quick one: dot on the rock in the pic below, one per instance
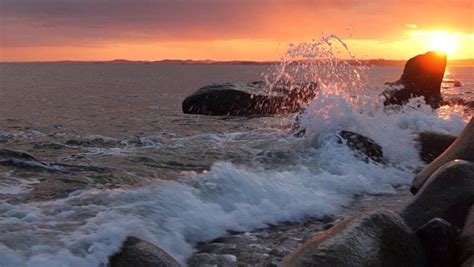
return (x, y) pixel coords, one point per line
(439, 240)
(379, 238)
(362, 144)
(466, 239)
(137, 252)
(422, 76)
(448, 194)
(7, 153)
(247, 100)
(469, 262)
(433, 144)
(461, 148)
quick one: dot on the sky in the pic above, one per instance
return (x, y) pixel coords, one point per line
(48, 30)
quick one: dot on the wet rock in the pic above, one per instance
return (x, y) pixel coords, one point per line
(439, 240)
(9, 154)
(448, 194)
(362, 144)
(137, 252)
(433, 144)
(246, 100)
(461, 148)
(378, 238)
(466, 239)
(422, 76)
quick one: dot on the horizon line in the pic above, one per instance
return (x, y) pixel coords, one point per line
(381, 61)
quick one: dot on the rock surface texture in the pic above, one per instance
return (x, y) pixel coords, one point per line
(447, 194)
(379, 238)
(439, 240)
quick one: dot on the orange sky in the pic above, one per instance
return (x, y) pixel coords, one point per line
(32, 30)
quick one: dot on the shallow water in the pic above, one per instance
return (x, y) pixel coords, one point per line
(177, 180)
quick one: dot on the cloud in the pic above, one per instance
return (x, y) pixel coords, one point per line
(94, 22)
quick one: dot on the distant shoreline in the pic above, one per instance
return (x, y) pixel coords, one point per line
(373, 62)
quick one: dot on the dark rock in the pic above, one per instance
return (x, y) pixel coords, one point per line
(433, 144)
(136, 252)
(44, 145)
(466, 240)
(7, 153)
(229, 99)
(461, 148)
(378, 238)
(362, 144)
(448, 194)
(439, 239)
(422, 76)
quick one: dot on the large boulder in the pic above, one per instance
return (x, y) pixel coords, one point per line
(422, 76)
(137, 252)
(461, 148)
(439, 239)
(466, 248)
(448, 194)
(247, 100)
(433, 144)
(378, 238)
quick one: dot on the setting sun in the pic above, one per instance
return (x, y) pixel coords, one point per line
(441, 41)
(444, 42)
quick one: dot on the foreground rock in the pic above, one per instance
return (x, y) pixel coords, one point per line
(466, 248)
(439, 240)
(246, 100)
(136, 252)
(365, 145)
(375, 239)
(422, 76)
(448, 194)
(433, 144)
(461, 148)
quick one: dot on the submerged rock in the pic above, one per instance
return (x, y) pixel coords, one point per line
(137, 252)
(246, 100)
(379, 238)
(448, 194)
(439, 239)
(461, 148)
(433, 144)
(363, 144)
(422, 76)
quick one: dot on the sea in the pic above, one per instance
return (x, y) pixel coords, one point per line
(123, 160)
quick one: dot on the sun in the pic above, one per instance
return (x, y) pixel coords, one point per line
(443, 42)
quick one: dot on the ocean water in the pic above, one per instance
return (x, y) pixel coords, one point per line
(175, 179)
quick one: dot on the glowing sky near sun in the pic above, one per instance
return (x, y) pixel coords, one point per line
(32, 30)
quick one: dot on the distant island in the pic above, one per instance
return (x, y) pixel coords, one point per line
(370, 62)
